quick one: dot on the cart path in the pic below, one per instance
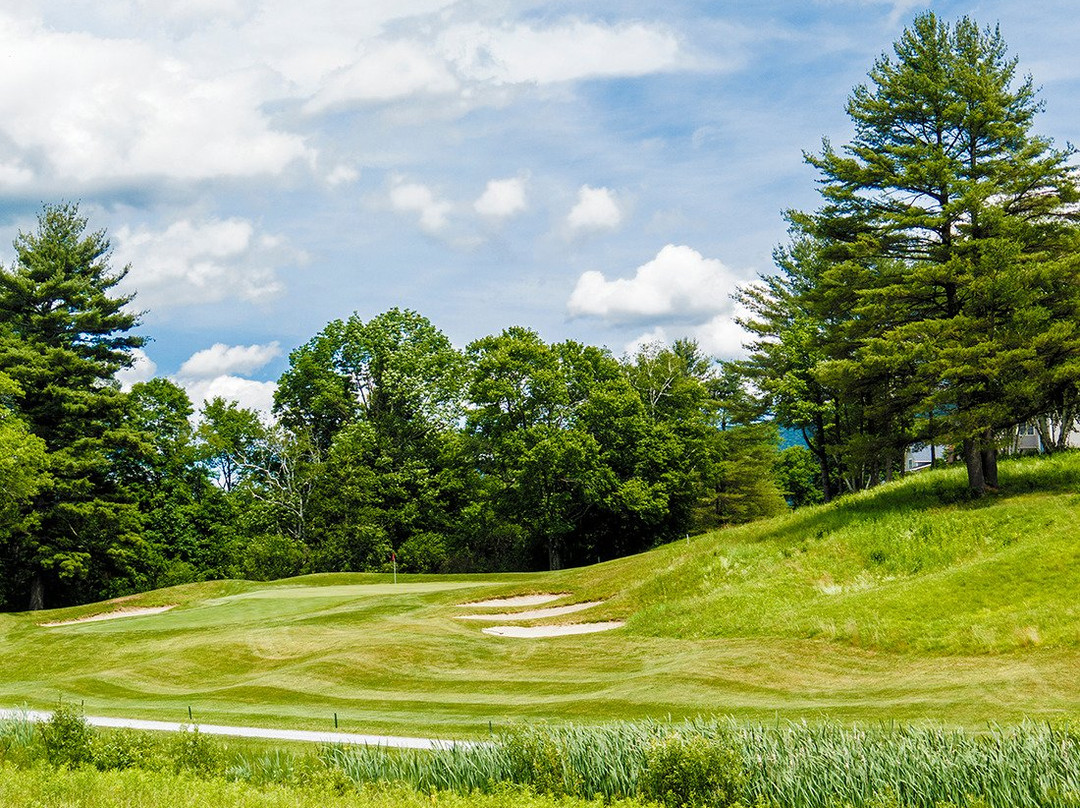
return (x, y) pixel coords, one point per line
(390, 741)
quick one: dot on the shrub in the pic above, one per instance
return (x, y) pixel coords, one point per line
(67, 737)
(536, 760)
(125, 749)
(193, 751)
(687, 772)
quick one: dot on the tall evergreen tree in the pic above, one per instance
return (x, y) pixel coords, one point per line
(66, 335)
(953, 228)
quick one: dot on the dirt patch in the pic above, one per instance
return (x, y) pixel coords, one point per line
(515, 600)
(526, 632)
(533, 614)
(114, 615)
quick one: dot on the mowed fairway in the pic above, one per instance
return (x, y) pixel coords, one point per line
(906, 603)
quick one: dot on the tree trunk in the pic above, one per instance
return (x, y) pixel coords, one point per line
(554, 562)
(822, 455)
(989, 467)
(37, 593)
(973, 461)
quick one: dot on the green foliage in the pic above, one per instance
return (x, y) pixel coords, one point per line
(227, 438)
(193, 751)
(534, 758)
(798, 476)
(67, 737)
(63, 335)
(18, 741)
(931, 298)
(134, 788)
(422, 552)
(692, 771)
(272, 556)
(397, 372)
(127, 749)
(740, 480)
(727, 763)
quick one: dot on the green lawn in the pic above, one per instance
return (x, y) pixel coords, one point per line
(906, 603)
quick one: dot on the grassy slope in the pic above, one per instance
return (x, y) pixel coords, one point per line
(902, 603)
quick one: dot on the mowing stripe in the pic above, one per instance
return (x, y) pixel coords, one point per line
(389, 741)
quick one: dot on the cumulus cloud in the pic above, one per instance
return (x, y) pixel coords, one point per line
(248, 393)
(202, 262)
(502, 198)
(143, 370)
(685, 294)
(677, 282)
(414, 197)
(129, 111)
(720, 337)
(220, 370)
(221, 359)
(596, 209)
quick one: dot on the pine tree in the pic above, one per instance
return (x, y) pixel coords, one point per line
(959, 225)
(65, 336)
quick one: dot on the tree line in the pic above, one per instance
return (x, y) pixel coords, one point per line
(387, 446)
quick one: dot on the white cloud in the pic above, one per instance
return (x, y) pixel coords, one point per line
(143, 370)
(221, 359)
(413, 197)
(94, 109)
(342, 175)
(678, 282)
(568, 51)
(502, 198)
(720, 337)
(385, 71)
(202, 262)
(251, 394)
(595, 209)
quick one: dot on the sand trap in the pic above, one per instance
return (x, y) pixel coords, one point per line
(551, 631)
(516, 600)
(115, 615)
(533, 614)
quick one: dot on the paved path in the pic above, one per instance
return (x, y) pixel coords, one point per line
(394, 741)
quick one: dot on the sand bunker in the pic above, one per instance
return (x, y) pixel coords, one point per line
(533, 614)
(115, 615)
(552, 631)
(516, 600)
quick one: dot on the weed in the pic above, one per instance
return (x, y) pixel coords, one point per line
(67, 737)
(193, 751)
(692, 771)
(125, 749)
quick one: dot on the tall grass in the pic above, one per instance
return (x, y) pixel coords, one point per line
(701, 762)
(1028, 766)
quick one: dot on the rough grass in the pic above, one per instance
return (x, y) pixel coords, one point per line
(908, 602)
(137, 788)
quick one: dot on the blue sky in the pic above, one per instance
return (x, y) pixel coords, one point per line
(602, 171)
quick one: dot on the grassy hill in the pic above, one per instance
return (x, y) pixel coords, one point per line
(907, 602)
